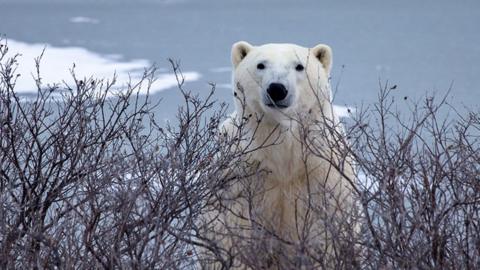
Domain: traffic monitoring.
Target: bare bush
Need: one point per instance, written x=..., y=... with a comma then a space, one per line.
x=89, y=179
x=420, y=184
x=415, y=194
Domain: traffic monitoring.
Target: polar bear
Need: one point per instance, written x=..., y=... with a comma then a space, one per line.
x=289, y=133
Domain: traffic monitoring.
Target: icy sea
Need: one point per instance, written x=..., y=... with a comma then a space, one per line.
x=422, y=47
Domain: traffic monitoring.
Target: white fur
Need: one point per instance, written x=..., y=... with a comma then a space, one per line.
x=291, y=177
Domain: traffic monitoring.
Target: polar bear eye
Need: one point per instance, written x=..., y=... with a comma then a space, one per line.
x=299, y=67
x=261, y=66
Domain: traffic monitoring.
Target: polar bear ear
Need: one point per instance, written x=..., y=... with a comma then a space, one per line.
x=324, y=54
x=239, y=51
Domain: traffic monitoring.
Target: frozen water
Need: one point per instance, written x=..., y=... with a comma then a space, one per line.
x=422, y=47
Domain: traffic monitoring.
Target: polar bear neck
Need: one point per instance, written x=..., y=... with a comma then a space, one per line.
x=288, y=168
x=279, y=150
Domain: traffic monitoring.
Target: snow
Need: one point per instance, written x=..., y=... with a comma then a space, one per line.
x=343, y=111
x=82, y=19
x=58, y=61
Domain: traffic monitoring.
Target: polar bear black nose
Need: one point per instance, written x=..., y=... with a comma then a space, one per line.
x=277, y=91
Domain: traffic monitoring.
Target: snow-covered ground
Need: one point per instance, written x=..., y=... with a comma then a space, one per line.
x=57, y=62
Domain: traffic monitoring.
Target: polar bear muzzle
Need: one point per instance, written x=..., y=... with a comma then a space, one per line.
x=277, y=96
x=277, y=92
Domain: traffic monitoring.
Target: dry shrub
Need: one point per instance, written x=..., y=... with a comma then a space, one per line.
x=89, y=179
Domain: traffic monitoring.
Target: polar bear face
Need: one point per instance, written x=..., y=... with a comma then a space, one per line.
x=280, y=80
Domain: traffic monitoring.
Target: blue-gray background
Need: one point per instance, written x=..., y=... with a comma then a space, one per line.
x=421, y=46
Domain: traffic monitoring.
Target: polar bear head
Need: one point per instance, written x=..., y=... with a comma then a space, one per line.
x=280, y=80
